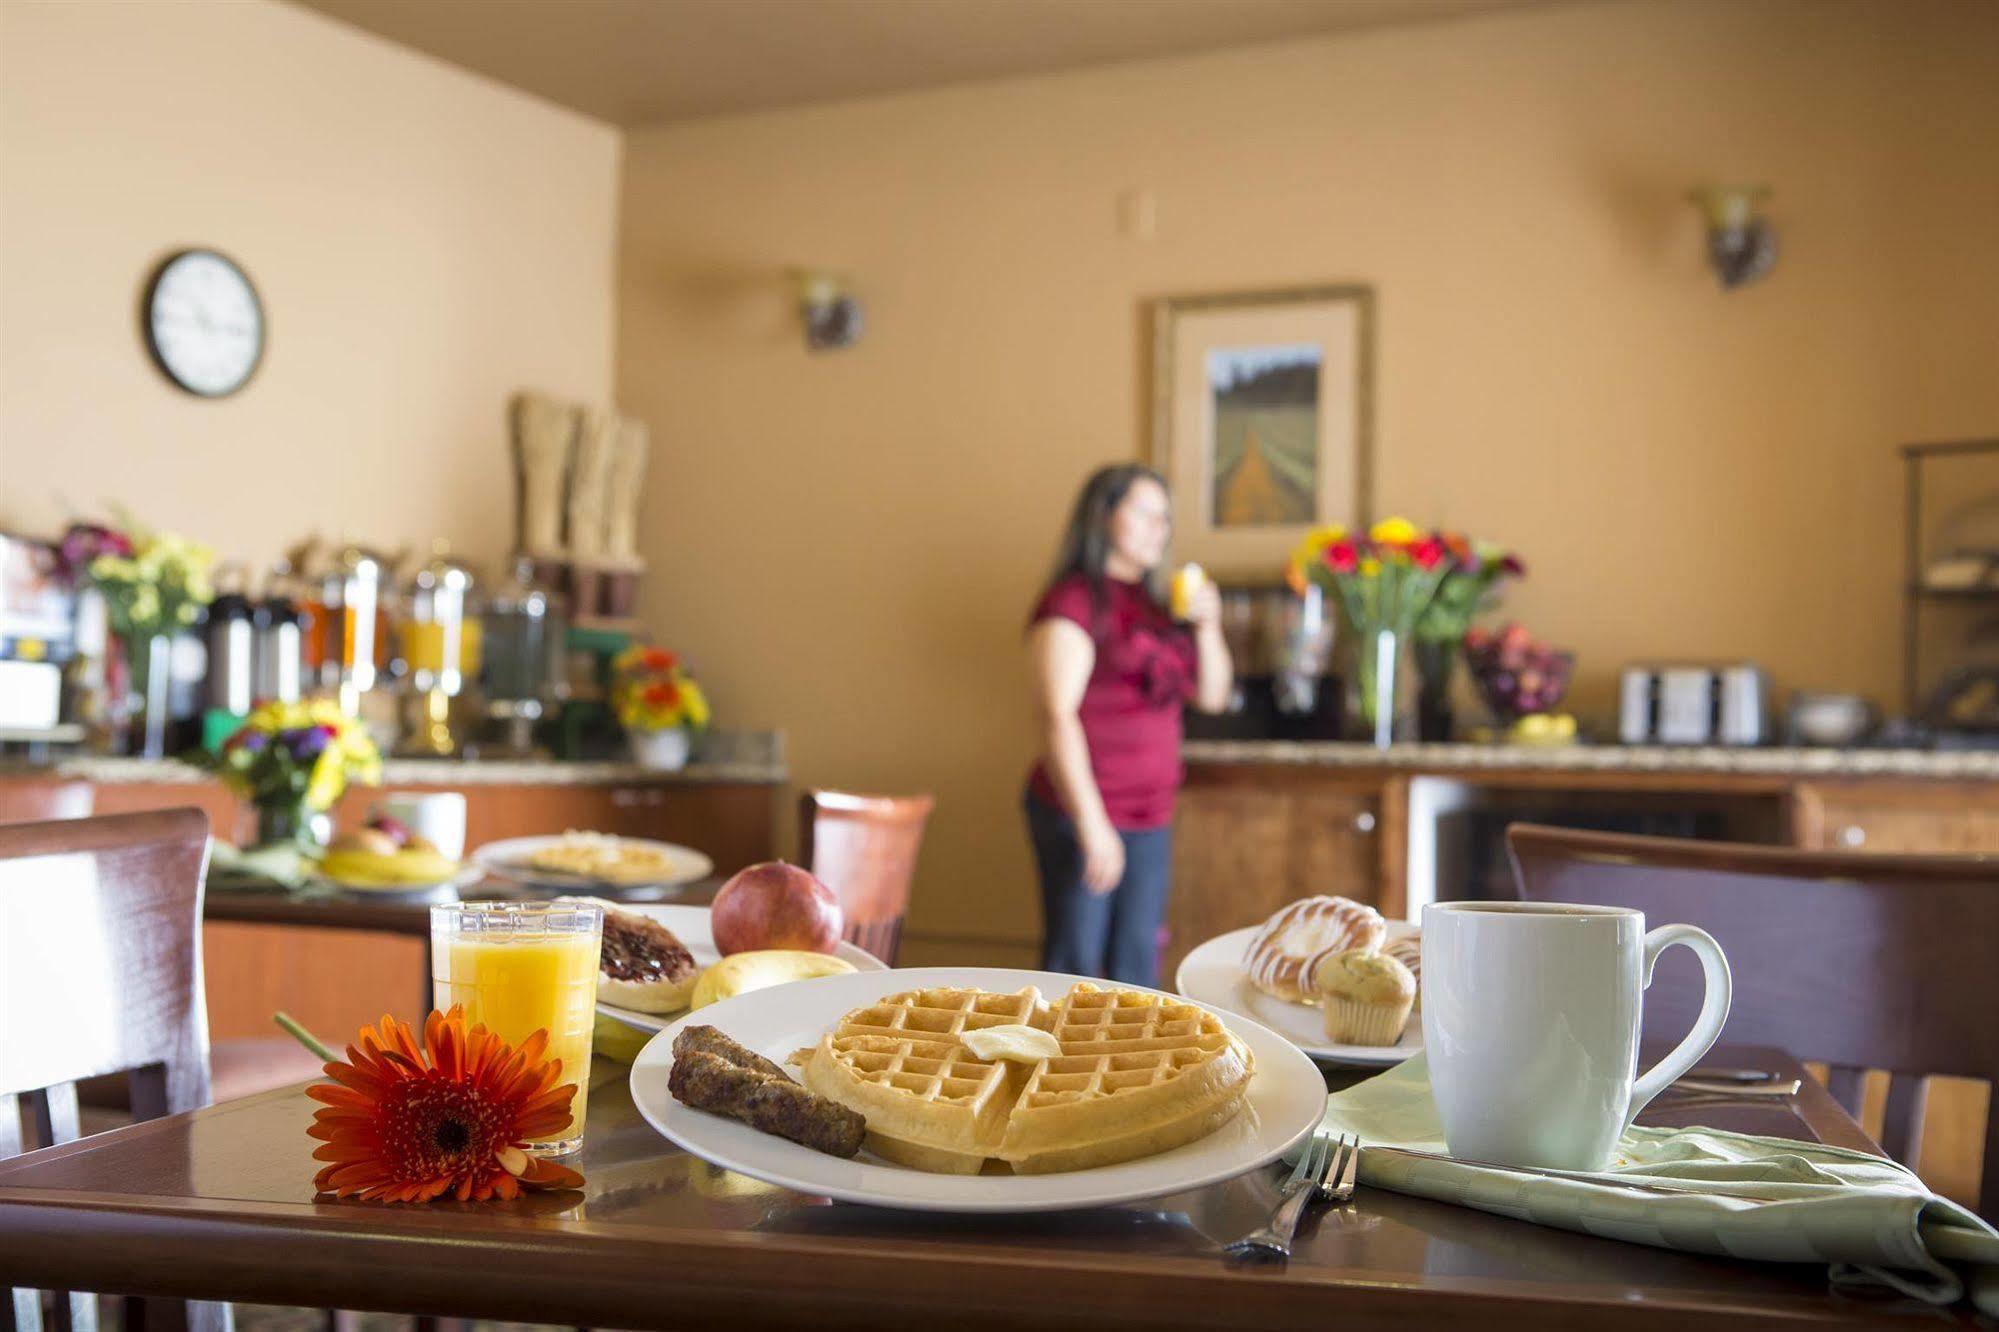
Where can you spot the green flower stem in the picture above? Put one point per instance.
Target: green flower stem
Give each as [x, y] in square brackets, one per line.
[304, 1037]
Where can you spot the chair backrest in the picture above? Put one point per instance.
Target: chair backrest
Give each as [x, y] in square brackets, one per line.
[864, 848]
[25, 801]
[1860, 961]
[100, 966]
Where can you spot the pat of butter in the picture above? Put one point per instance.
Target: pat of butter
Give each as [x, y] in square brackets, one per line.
[1014, 1040]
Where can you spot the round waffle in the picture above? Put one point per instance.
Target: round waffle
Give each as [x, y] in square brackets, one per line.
[1139, 1073]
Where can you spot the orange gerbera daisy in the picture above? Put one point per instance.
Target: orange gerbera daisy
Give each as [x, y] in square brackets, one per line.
[408, 1123]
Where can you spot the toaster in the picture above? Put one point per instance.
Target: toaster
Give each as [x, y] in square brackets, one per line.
[1694, 705]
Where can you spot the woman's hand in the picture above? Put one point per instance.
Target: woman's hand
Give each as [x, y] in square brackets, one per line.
[1204, 609]
[1103, 855]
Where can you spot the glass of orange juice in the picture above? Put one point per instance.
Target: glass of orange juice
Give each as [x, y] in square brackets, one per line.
[1188, 580]
[519, 967]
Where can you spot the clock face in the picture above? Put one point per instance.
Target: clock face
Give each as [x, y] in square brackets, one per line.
[204, 323]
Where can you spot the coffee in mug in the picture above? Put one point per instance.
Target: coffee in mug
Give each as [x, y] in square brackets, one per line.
[1531, 1019]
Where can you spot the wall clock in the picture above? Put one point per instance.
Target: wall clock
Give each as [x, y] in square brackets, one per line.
[203, 322]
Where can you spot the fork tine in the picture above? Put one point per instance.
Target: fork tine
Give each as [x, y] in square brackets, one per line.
[1348, 1173]
[1303, 1169]
[1330, 1171]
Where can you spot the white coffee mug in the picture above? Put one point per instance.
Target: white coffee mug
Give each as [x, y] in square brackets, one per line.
[437, 816]
[1531, 1020]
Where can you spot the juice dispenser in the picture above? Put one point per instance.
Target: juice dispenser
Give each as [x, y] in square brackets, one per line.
[524, 657]
[440, 637]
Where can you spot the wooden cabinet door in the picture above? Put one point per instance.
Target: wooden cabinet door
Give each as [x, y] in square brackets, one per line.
[1956, 818]
[1241, 851]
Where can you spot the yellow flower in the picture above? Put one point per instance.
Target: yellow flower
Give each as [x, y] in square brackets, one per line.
[695, 703]
[329, 779]
[1369, 566]
[1394, 532]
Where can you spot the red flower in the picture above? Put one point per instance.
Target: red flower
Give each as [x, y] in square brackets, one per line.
[1343, 557]
[659, 659]
[663, 695]
[1427, 554]
[407, 1123]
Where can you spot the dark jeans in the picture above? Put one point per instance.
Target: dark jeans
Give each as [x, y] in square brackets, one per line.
[1115, 934]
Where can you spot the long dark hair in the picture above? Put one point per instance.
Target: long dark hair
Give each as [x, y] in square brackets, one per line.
[1086, 539]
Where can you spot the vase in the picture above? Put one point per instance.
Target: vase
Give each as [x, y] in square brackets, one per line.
[142, 715]
[1436, 666]
[1377, 688]
[293, 821]
[663, 751]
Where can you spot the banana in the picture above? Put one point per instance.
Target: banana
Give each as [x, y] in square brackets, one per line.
[739, 973]
[372, 869]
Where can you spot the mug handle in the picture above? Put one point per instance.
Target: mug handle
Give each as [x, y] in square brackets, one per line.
[1714, 1010]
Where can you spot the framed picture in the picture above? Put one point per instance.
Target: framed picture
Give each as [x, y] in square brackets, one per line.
[1262, 420]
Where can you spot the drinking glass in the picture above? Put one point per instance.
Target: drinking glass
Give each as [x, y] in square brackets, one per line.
[519, 967]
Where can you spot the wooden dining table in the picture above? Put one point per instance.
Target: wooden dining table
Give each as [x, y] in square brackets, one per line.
[218, 1205]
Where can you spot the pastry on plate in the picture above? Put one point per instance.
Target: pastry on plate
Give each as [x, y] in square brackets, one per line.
[600, 856]
[642, 965]
[1137, 1074]
[1408, 950]
[1283, 955]
[1366, 996]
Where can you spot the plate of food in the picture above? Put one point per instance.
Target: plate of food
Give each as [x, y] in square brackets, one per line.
[1328, 973]
[578, 861]
[769, 925]
[385, 857]
[976, 1089]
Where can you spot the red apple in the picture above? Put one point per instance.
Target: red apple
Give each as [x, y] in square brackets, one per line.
[775, 905]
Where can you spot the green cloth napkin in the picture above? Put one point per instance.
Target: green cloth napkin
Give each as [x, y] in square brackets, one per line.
[1871, 1220]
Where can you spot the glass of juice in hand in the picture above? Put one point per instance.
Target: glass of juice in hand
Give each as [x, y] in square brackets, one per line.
[521, 967]
[1188, 580]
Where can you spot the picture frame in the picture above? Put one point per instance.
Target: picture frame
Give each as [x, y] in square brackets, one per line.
[1263, 420]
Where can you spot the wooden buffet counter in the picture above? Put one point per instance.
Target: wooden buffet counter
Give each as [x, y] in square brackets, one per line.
[726, 806]
[1264, 822]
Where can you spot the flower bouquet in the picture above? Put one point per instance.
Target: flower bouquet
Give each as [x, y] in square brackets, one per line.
[659, 705]
[1477, 568]
[293, 761]
[154, 585]
[1385, 581]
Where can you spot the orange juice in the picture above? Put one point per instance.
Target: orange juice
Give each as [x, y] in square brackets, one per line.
[516, 981]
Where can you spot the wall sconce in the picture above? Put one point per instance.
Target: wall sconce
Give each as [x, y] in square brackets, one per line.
[832, 316]
[1740, 244]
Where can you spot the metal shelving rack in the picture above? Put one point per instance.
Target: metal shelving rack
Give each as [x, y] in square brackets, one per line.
[1914, 595]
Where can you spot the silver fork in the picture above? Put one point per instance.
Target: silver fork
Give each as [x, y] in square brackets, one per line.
[1325, 1171]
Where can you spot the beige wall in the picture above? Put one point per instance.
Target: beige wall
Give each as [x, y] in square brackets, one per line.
[425, 242]
[846, 543]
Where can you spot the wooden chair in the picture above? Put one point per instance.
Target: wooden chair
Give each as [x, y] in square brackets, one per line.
[864, 848]
[1859, 961]
[100, 972]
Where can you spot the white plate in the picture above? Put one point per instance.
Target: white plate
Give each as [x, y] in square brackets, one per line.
[1212, 974]
[690, 925]
[1286, 1098]
[446, 891]
[509, 860]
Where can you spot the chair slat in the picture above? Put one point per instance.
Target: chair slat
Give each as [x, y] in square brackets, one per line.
[1902, 1119]
[55, 1114]
[1843, 1081]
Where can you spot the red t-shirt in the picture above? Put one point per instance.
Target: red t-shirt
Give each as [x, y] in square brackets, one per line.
[1145, 672]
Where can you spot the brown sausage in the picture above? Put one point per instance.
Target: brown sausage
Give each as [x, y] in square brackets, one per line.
[711, 1041]
[770, 1105]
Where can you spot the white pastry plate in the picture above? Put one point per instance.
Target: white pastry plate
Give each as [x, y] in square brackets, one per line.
[1212, 975]
[1286, 1098]
[509, 860]
[690, 925]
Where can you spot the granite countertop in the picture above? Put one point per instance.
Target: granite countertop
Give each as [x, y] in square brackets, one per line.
[724, 756]
[1942, 765]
